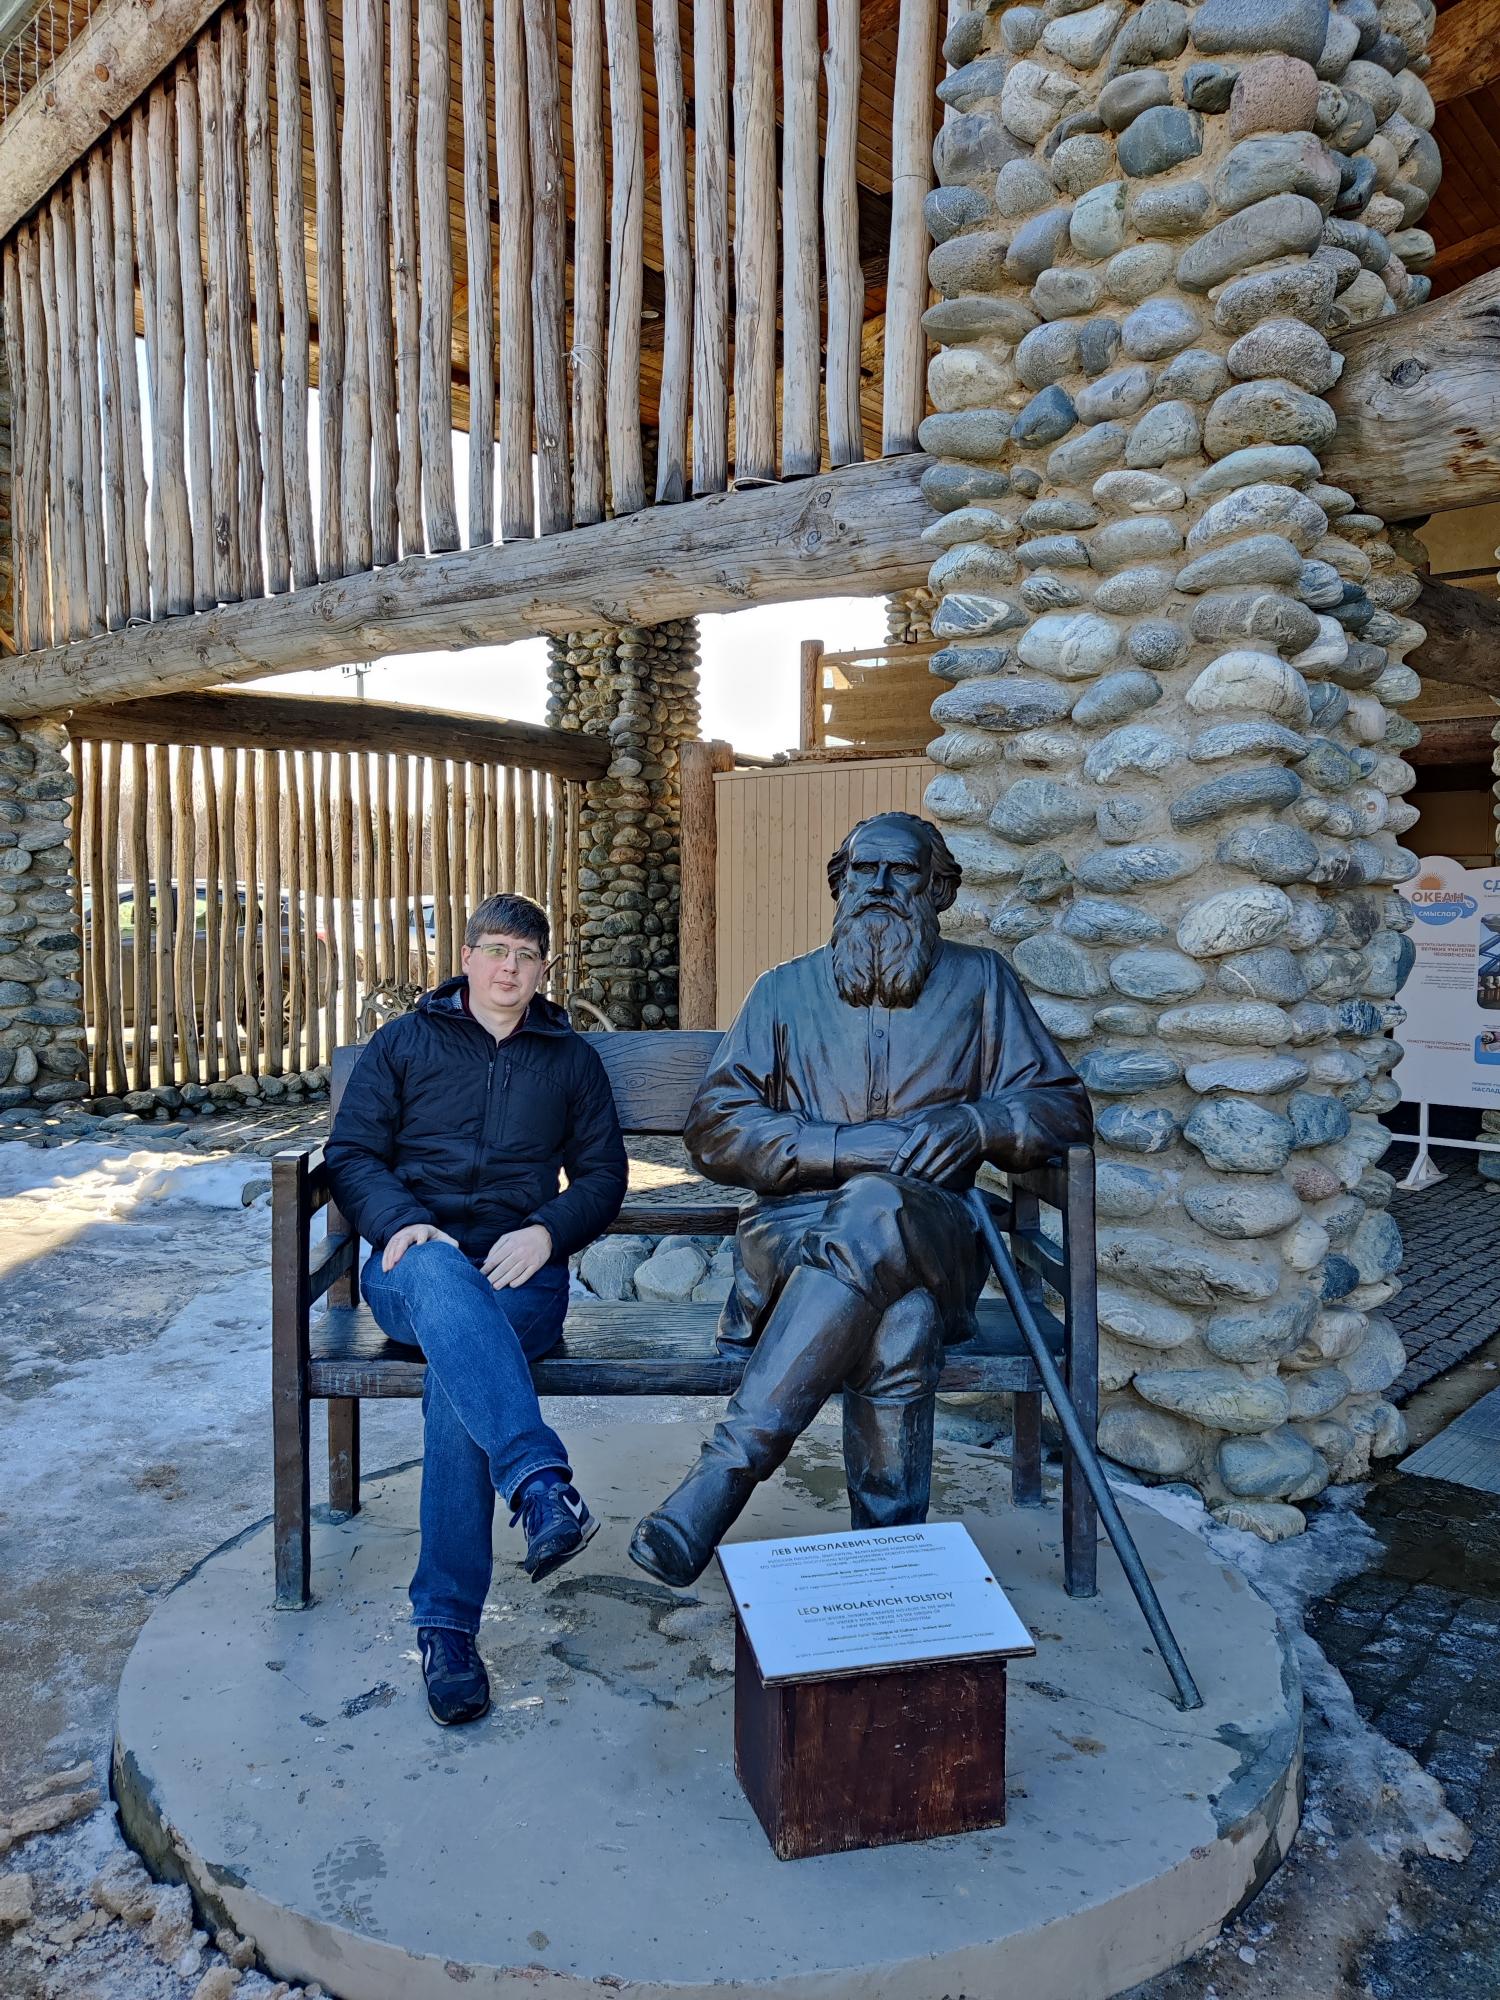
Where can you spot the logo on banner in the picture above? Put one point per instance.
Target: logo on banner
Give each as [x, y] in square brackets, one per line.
[1437, 902]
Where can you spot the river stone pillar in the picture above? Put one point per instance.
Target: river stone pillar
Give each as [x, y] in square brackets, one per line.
[42, 1056]
[1171, 762]
[909, 615]
[637, 685]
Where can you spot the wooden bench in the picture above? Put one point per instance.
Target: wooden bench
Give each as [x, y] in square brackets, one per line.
[326, 1346]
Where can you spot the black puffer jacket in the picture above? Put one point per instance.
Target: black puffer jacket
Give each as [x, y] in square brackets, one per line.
[441, 1123]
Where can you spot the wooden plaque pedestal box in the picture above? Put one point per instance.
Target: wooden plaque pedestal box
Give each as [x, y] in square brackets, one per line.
[867, 1759]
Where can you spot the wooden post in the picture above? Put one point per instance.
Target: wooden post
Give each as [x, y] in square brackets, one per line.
[296, 963]
[711, 247]
[360, 250]
[408, 306]
[513, 183]
[904, 399]
[385, 541]
[376, 968]
[271, 370]
[231, 915]
[87, 760]
[241, 310]
[213, 919]
[589, 280]
[228, 578]
[163, 926]
[145, 258]
[69, 401]
[35, 458]
[697, 950]
[112, 469]
[389, 942]
[476, 158]
[442, 892]
[419, 826]
[57, 566]
[137, 571]
[755, 242]
[401, 858]
[626, 250]
[94, 558]
[107, 915]
[253, 984]
[140, 902]
[350, 973]
[195, 338]
[846, 284]
[271, 932]
[292, 257]
[548, 267]
[314, 954]
[332, 943]
[185, 999]
[677, 332]
[810, 695]
[331, 336]
[458, 818]
[801, 443]
[433, 96]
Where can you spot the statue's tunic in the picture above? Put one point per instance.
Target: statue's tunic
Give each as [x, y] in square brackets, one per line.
[800, 1066]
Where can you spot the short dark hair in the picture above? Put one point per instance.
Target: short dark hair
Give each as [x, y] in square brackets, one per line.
[945, 871]
[510, 916]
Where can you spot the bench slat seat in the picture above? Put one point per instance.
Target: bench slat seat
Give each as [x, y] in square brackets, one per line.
[627, 1348]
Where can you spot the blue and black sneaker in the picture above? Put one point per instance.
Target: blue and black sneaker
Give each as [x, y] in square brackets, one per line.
[556, 1521]
[458, 1688]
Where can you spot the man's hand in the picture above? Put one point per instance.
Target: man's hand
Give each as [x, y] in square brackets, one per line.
[517, 1256]
[870, 1148]
[941, 1144]
[405, 1239]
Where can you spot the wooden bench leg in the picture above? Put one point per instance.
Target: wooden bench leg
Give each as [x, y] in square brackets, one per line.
[292, 1498]
[1026, 1451]
[343, 1456]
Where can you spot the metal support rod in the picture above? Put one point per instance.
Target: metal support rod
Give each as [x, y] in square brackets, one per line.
[1086, 1458]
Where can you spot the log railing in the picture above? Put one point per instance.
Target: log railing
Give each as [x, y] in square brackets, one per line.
[372, 858]
[527, 220]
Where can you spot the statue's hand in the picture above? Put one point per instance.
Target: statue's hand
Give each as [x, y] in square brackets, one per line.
[870, 1148]
[942, 1145]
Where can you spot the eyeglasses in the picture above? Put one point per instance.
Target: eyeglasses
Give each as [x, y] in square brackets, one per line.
[500, 954]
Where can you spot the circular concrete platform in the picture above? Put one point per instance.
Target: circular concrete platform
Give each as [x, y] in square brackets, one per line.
[589, 1833]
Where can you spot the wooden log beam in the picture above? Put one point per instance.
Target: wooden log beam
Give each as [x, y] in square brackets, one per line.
[1418, 407]
[312, 722]
[1458, 739]
[1465, 50]
[857, 530]
[112, 60]
[1462, 646]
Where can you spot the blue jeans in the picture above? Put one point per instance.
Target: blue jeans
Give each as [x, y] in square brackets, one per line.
[482, 1424]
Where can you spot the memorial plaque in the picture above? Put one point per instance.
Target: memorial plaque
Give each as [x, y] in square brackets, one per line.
[870, 1686]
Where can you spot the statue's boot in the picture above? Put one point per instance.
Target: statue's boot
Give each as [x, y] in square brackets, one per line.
[817, 1333]
[887, 1460]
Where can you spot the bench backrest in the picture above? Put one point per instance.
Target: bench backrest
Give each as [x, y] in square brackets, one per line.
[654, 1073]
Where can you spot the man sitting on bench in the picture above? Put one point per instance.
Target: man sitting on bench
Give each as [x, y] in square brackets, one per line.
[445, 1155]
[857, 1095]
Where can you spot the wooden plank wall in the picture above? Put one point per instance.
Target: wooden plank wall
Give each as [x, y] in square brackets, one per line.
[776, 830]
[316, 195]
[349, 846]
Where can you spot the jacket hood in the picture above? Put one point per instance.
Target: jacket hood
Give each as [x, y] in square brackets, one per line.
[542, 1017]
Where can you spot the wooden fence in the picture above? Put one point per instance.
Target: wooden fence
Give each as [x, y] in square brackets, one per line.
[447, 218]
[879, 699]
[373, 859]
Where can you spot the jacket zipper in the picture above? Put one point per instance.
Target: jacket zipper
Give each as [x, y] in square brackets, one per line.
[489, 1081]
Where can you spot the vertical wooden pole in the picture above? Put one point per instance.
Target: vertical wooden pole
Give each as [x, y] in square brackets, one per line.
[810, 695]
[195, 338]
[548, 267]
[458, 813]
[474, 875]
[291, 250]
[513, 180]
[140, 895]
[145, 258]
[232, 915]
[677, 249]
[94, 554]
[557, 834]
[355, 971]
[229, 582]
[116, 579]
[755, 242]
[385, 541]
[491, 865]
[20, 520]
[399, 843]
[137, 565]
[509, 880]
[904, 398]
[88, 812]
[711, 247]
[389, 941]
[442, 877]
[626, 249]
[253, 981]
[296, 968]
[271, 371]
[526, 854]
[360, 249]
[57, 564]
[185, 999]
[70, 402]
[476, 162]
[331, 340]
[376, 967]
[418, 872]
[697, 980]
[590, 182]
[169, 459]
[163, 918]
[240, 314]
[433, 95]
[801, 444]
[315, 951]
[336, 967]
[272, 931]
[107, 916]
[404, 252]
[35, 458]
[846, 283]
[213, 922]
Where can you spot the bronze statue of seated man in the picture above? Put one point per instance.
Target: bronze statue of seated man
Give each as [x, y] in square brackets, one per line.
[856, 1096]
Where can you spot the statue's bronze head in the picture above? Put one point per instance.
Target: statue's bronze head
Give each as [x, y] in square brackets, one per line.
[892, 878]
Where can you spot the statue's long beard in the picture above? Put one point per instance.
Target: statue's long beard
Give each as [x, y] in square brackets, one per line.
[882, 958]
